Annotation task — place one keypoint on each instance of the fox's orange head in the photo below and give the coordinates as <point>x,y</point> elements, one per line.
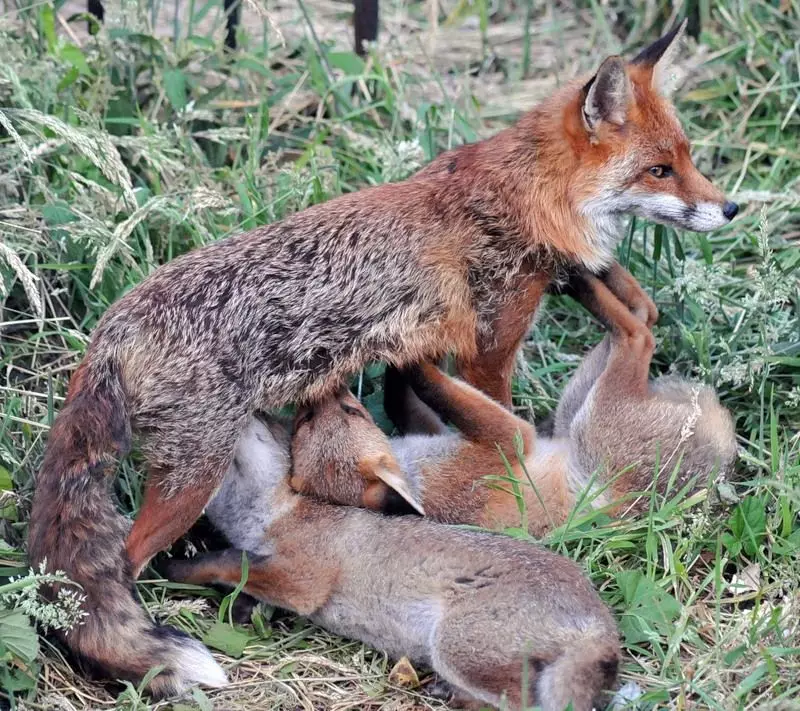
<point>340,455</point>
<point>633,156</point>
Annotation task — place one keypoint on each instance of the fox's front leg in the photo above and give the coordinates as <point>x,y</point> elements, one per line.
<point>492,368</point>
<point>600,300</point>
<point>621,284</point>
<point>630,292</point>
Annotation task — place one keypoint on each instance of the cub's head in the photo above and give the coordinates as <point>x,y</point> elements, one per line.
<point>632,153</point>
<point>340,455</point>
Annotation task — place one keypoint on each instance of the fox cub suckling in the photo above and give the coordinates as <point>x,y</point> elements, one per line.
<point>494,616</point>
<point>613,427</point>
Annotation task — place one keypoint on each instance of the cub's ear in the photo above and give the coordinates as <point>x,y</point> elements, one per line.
<point>661,56</point>
<point>396,481</point>
<point>607,95</point>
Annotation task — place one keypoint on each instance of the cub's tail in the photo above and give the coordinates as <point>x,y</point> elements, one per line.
<point>580,674</point>
<point>76,528</point>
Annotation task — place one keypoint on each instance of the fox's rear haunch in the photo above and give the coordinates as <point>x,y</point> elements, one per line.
<point>76,528</point>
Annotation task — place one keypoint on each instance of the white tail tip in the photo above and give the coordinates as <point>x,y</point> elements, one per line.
<point>195,665</point>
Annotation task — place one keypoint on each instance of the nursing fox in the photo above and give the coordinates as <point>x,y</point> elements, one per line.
<point>453,260</point>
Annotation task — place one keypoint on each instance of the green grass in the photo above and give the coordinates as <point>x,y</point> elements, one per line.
<point>122,151</point>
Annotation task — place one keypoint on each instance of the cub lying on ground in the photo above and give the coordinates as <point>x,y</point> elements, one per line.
<point>492,615</point>
<point>613,428</point>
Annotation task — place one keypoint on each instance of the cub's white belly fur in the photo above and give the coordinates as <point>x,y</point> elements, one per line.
<point>397,627</point>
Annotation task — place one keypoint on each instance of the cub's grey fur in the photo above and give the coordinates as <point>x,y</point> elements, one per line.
<point>476,607</point>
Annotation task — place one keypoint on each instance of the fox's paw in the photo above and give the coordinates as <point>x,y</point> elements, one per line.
<point>641,343</point>
<point>452,696</point>
<point>645,310</point>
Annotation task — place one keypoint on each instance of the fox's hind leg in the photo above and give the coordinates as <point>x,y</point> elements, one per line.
<point>165,516</point>
<point>615,427</point>
<point>179,488</point>
<point>580,384</point>
<point>476,669</point>
<point>624,358</point>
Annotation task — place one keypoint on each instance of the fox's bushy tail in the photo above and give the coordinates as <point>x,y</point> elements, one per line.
<point>76,528</point>
<point>580,675</point>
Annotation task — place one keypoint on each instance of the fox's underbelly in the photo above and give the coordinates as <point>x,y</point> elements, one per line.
<point>402,341</point>
<point>543,485</point>
<point>395,626</point>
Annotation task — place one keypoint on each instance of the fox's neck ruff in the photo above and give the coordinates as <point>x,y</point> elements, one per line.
<point>559,196</point>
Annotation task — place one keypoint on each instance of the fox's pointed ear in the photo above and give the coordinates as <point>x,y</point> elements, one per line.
<point>607,95</point>
<point>394,480</point>
<point>661,57</point>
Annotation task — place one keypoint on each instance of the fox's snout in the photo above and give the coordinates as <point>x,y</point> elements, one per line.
<point>704,206</point>
<point>702,216</point>
<point>730,210</point>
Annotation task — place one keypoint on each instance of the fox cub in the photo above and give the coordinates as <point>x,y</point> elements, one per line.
<point>613,427</point>
<point>493,616</point>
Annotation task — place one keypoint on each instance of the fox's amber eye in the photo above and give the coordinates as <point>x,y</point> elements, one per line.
<point>661,171</point>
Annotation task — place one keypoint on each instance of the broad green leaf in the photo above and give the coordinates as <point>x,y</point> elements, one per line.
<point>651,611</point>
<point>47,18</point>
<point>58,213</point>
<point>227,639</point>
<point>349,62</point>
<point>252,65</point>
<point>18,635</point>
<point>203,702</point>
<point>748,523</point>
<point>8,510</point>
<point>73,54</point>
<point>175,86</point>
<point>68,79</point>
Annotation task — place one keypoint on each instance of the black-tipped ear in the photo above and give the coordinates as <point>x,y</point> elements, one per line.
<point>607,95</point>
<point>396,481</point>
<point>651,55</point>
<point>661,57</point>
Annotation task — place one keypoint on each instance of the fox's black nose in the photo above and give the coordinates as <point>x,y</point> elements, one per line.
<point>730,209</point>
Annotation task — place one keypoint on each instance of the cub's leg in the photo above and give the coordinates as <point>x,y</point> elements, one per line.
<point>300,584</point>
<point>402,406</point>
<point>480,419</point>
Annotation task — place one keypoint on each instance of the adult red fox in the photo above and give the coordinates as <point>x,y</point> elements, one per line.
<point>493,616</point>
<point>455,259</point>
<point>614,430</point>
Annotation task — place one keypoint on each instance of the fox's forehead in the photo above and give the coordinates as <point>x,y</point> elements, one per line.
<point>656,122</point>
